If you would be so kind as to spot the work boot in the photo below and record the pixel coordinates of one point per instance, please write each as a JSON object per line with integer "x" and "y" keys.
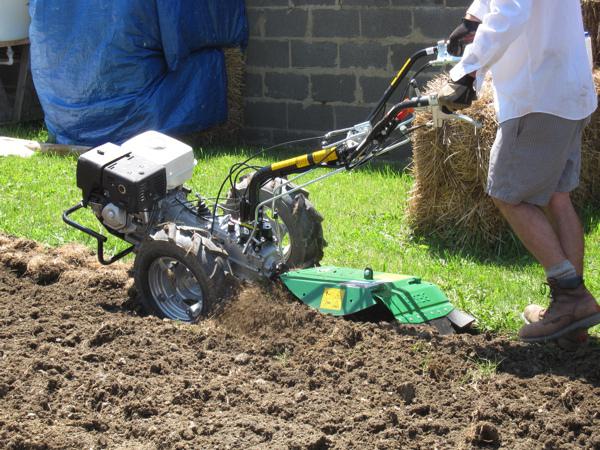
{"x": 572, "y": 307}
{"x": 570, "y": 341}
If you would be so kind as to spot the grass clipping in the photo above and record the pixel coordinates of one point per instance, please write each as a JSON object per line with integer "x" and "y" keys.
{"x": 450, "y": 167}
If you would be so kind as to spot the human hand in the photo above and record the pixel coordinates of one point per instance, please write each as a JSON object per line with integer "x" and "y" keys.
{"x": 458, "y": 94}
{"x": 462, "y": 36}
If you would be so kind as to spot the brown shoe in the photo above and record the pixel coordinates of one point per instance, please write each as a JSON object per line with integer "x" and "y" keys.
{"x": 572, "y": 307}
{"x": 570, "y": 341}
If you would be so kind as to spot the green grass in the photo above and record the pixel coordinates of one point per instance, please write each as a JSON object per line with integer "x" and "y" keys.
{"x": 365, "y": 225}
{"x": 481, "y": 369}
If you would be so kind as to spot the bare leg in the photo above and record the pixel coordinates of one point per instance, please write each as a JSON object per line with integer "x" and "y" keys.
{"x": 535, "y": 231}
{"x": 566, "y": 223}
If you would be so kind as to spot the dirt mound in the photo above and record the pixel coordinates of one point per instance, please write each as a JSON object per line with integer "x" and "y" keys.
{"x": 80, "y": 368}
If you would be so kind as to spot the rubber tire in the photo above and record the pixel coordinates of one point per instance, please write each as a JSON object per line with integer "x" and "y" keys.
{"x": 210, "y": 275}
{"x": 303, "y": 222}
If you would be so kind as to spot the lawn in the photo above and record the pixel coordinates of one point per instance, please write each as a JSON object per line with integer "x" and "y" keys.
{"x": 364, "y": 225}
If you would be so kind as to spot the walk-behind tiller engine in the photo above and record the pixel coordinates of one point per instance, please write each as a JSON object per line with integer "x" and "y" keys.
{"x": 189, "y": 248}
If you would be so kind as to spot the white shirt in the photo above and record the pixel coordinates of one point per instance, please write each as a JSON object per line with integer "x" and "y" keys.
{"x": 535, "y": 50}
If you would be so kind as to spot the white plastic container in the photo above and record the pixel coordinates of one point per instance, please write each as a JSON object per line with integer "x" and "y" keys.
{"x": 14, "y": 20}
{"x": 175, "y": 156}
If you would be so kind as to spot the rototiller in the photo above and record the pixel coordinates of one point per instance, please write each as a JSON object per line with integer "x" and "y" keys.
{"x": 187, "y": 246}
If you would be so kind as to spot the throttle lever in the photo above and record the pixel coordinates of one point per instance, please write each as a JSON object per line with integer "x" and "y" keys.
{"x": 441, "y": 114}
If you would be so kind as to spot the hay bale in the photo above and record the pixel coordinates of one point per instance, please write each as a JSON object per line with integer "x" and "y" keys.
{"x": 588, "y": 193}
{"x": 450, "y": 166}
{"x": 591, "y": 21}
{"x": 227, "y": 133}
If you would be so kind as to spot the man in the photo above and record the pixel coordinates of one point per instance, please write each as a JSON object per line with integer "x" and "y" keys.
{"x": 544, "y": 92}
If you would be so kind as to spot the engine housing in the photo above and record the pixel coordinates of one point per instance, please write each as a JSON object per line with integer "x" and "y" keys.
{"x": 136, "y": 188}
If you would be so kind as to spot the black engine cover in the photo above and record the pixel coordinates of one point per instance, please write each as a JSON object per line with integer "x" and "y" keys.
{"x": 135, "y": 183}
{"x": 90, "y": 166}
{"x": 121, "y": 177}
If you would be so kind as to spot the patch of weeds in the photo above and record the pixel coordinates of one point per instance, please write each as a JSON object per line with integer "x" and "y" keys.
{"x": 485, "y": 369}
{"x": 420, "y": 347}
{"x": 283, "y": 357}
{"x": 425, "y": 363}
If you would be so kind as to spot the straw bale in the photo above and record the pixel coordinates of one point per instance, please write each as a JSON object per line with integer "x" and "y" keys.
{"x": 591, "y": 19}
{"x": 450, "y": 165}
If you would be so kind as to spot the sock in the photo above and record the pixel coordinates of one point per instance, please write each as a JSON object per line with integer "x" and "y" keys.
{"x": 562, "y": 271}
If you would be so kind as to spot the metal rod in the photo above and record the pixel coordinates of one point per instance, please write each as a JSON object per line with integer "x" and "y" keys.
{"x": 297, "y": 188}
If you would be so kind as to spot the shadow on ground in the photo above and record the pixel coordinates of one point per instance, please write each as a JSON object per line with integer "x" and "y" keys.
{"x": 528, "y": 361}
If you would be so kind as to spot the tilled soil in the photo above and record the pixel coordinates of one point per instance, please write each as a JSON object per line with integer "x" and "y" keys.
{"x": 80, "y": 367}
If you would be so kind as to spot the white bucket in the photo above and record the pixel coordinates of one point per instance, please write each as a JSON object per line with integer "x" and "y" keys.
{"x": 14, "y": 20}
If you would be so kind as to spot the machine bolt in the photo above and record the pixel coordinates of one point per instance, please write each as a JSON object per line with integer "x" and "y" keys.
{"x": 368, "y": 273}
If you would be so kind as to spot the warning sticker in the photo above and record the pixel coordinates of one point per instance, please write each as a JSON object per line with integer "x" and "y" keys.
{"x": 332, "y": 299}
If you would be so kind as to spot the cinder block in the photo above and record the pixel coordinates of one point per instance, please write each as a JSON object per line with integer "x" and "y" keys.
{"x": 286, "y": 85}
{"x": 288, "y": 23}
{"x": 362, "y": 3}
{"x": 262, "y": 3}
{"x": 417, "y": 2}
{"x": 268, "y": 53}
{"x": 314, "y": 2}
{"x": 335, "y": 23}
{"x": 331, "y": 88}
{"x": 348, "y": 115}
{"x": 265, "y": 114}
{"x": 372, "y": 54}
{"x": 256, "y": 23}
{"x": 253, "y": 85}
{"x": 401, "y": 52}
{"x": 459, "y": 3}
{"x": 313, "y": 117}
{"x": 373, "y": 88}
{"x": 281, "y": 136}
{"x": 257, "y": 136}
{"x": 382, "y": 22}
{"x": 321, "y": 54}
{"x": 437, "y": 23}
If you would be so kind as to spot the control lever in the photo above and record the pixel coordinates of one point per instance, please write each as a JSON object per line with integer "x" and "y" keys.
{"x": 440, "y": 115}
{"x": 443, "y": 57}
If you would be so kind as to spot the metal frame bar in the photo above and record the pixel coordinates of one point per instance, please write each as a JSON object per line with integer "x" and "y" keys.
{"x": 297, "y": 188}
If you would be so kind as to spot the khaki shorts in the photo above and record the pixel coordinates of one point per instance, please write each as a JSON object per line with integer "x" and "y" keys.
{"x": 535, "y": 156}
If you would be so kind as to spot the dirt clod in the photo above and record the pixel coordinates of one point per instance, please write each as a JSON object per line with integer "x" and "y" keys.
{"x": 483, "y": 433}
{"x": 407, "y": 392}
{"x": 105, "y": 334}
{"x": 242, "y": 359}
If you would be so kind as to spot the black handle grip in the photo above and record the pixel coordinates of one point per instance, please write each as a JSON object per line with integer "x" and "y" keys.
{"x": 99, "y": 238}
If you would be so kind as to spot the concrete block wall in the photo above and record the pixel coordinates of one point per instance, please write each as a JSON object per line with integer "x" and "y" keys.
{"x": 316, "y": 65}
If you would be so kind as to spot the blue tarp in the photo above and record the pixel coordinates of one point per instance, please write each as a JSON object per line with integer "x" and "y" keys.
{"x": 107, "y": 70}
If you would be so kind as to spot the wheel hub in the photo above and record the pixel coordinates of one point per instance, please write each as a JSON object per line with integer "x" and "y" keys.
{"x": 175, "y": 287}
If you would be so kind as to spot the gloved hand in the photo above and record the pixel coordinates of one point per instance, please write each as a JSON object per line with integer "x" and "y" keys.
{"x": 461, "y": 36}
{"x": 458, "y": 94}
